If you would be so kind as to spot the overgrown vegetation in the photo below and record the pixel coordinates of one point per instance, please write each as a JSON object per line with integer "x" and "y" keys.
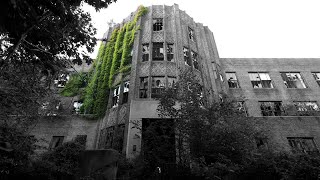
{"x": 72, "y": 88}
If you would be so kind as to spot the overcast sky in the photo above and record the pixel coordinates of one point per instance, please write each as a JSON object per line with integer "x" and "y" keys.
{"x": 242, "y": 28}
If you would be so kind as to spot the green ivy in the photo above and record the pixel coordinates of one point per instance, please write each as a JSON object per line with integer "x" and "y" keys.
{"x": 73, "y": 86}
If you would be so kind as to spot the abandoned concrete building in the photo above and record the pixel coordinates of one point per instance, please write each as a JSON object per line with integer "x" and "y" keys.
{"x": 168, "y": 39}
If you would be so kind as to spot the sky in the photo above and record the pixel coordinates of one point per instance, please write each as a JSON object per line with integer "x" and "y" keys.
{"x": 242, "y": 28}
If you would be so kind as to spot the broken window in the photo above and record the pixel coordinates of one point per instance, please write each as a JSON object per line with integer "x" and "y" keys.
{"x": 306, "y": 106}
{"x": 271, "y": 108}
{"x": 76, "y": 106}
{"x": 194, "y": 57}
{"x": 316, "y": 76}
{"x": 143, "y": 88}
{"x": 186, "y": 56}
{"x": 260, "y": 80}
{"x": 61, "y": 80}
{"x": 241, "y": 107}
{"x": 293, "y": 80}
{"x": 157, "y": 24}
{"x": 170, "y": 52}
{"x": 158, "y": 85}
{"x": 56, "y": 141}
{"x": 157, "y": 52}
{"x": 171, "y": 82}
{"x": 145, "y": 52}
{"x": 125, "y": 92}
{"x": 191, "y": 34}
{"x": 303, "y": 145}
{"x": 115, "y": 98}
{"x": 232, "y": 80}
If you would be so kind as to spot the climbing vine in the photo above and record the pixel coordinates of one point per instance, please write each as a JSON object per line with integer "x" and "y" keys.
{"x": 114, "y": 57}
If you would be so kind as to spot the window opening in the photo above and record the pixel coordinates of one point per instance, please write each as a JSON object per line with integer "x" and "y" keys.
{"x": 170, "y": 52}
{"x": 316, "y": 76}
{"x": 125, "y": 92}
{"x": 158, "y": 86}
{"x": 232, "y": 80}
{"x": 303, "y": 145}
{"x": 194, "y": 57}
{"x": 241, "y": 107}
{"x": 115, "y": 98}
{"x": 293, "y": 80}
{"x": 171, "y": 82}
{"x": 186, "y": 56}
{"x": 157, "y": 52}
{"x": 56, "y": 141}
{"x": 271, "y": 108}
{"x": 260, "y": 80}
{"x": 145, "y": 52}
{"x": 61, "y": 80}
{"x": 76, "y": 106}
{"x": 143, "y": 87}
{"x": 191, "y": 34}
{"x": 157, "y": 24}
{"x": 306, "y": 106}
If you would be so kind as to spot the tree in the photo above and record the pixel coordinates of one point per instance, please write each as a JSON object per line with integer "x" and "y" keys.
{"x": 216, "y": 138}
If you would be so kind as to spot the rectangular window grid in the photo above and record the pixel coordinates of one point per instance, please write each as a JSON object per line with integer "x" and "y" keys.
{"x": 303, "y": 145}
{"x": 143, "y": 88}
{"x": 125, "y": 92}
{"x": 170, "y": 52}
{"x": 157, "y": 52}
{"x": 157, "y": 24}
{"x": 271, "y": 108}
{"x": 145, "y": 52}
{"x": 293, "y": 80}
{"x": 232, "y": 80}
{"x": 158, "y": 85}
{"x": 260, "y": 80}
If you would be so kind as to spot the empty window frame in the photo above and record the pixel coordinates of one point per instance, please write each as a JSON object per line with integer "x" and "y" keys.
{"x": 157, "y": 52}
{"x": 56, "y": 141}
{"x": 303, "y": 145}
{"x": 306, "y": 106}
{"x": 271, "y": 108}
{"x": 158, "y": 85}
{"x": 194, "y": 57}
{"x": 186, "y": 56}
{"x": 125, "y": 92}
{"x": 171, "y": 82}
{"x": 260, "y": 80}
{"x": 109, "y": 137}
{"x": 316, "y": 76}
{"x": 76, "y": 106}
{"x": 157, "y": 24}
{"x": 143, "y": 87}
{"x": 145, "y": 52}
{"x": 293, "y": 80}
{"x": 170, "y": 52}
{"x": 61, "y": 80}
{"x": 232, "y": 80}
{"x": 241, "y": 107}
{"x": 115, "y": 97}
{"x": 191, "y": 34}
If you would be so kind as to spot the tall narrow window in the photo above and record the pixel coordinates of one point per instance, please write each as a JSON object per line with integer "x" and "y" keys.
{"x": 157, "y": 24}
{"x": 260, "y": 80}
{"x": 316, "y": 76}
{"x": 125, "y": 92}
{"x": 186, "y": 56}
{"x": 232, "y": 80}
{"x": 157, "y": 52}
{"x": 158, "y": 86}
{"x": 194, "y": 57}
{"x": 303, "y": 145}
{"x": 143, "y": 88}
{"x": 170, "y": 52}
{"x": 115, "y": 98}
{"x": 293, "y": 80}
{"x": 191, "y": 34}
{"x": 171, "y": 82}
{"x": 145, "y": 52}
{"x": 271, "y": 108}
{"x": 56, "y": 141}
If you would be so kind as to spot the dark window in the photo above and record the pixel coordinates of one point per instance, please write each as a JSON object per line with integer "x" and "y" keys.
{"x": 125, "y": 92}
{"x": 293, "y": 80}
{"x": 61, "y": 80}
{"x": 145, "y": 52}
{"x": 271, "y": 108}
{"x": 186, "y": 56}
{"x": 56, "y": 141}
{"x": 170, "y": 52}
{"x": 194, "y": 57}
{"x": 232, "y": 80}
{"x": 157, "y": 52}
{"x": 115, "y": 97}
{"x": 171, "y": 82}
{"x": 303, "y": 145}
{"x": 191, "y": 34}
{"x": 260, "y": 80}
{"x": 158, "y": 86}
{"x": 316, "y": 76}
{"x": 157, "y": 24}
{"x": 109, "y": 137}
{"x": 143, "y": 88}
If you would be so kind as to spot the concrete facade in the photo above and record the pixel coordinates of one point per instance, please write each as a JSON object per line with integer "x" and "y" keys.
{"x": 176, "y": 33}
